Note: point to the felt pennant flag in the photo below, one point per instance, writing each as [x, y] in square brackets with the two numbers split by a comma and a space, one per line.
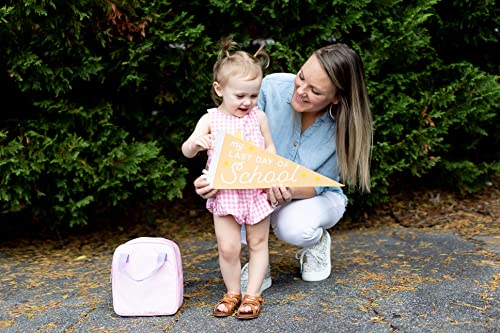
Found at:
[239, 164]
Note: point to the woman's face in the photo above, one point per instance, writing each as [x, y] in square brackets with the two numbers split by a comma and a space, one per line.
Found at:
[313, 88]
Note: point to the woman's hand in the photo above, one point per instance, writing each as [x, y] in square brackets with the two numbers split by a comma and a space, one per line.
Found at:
[203, 188]
[279, 195]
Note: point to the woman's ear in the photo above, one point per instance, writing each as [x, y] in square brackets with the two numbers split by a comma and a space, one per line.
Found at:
[218, 88]
[335, 100]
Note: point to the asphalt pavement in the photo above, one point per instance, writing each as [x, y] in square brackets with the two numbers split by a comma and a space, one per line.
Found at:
[392, 279]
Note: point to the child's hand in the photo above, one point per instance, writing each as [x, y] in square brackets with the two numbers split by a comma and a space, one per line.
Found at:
[203, 142]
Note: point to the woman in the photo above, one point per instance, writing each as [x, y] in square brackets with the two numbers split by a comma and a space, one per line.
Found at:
[319, 118]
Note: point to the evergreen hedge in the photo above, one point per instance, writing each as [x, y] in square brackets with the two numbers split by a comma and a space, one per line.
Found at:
[99, 95]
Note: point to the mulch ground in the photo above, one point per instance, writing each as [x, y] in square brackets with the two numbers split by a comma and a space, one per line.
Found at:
[187, 222]
[467, 215]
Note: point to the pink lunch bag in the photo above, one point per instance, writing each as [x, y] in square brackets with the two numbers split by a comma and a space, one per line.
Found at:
[146, 277]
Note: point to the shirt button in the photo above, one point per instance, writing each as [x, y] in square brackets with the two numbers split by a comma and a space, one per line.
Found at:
[295, 144]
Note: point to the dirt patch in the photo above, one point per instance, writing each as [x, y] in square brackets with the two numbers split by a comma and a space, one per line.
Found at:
[466, 215]
[62, 265]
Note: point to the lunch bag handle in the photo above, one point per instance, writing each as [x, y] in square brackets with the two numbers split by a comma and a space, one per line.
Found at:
[160, 260]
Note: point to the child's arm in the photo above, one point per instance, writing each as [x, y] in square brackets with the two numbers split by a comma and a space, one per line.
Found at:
[266, 132]
[200, 139]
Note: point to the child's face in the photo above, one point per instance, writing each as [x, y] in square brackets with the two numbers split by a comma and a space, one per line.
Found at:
[239, 95]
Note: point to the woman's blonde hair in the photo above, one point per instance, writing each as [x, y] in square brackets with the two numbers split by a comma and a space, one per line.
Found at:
[354, 135]
[240, 63]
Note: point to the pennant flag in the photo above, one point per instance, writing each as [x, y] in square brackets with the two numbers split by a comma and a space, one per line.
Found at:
[239, 164]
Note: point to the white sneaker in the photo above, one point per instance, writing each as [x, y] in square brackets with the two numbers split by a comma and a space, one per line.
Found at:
[315, 262]
[244, 280]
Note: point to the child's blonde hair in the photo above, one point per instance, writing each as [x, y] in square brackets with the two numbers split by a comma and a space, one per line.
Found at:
[237, 63]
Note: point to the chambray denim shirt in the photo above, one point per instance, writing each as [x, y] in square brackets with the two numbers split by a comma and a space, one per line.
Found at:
[315, 148]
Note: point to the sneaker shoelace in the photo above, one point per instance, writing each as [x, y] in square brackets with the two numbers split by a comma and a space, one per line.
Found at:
[311, 254]
[244, 277]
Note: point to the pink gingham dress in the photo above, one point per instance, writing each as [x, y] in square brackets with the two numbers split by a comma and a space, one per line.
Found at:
[248, 206]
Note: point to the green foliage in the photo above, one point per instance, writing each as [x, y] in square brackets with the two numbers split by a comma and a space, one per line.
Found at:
[105, 92]
[67, 151]
[64, 172]
[467, 30]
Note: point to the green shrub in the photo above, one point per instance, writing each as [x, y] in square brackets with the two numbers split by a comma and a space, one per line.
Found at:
[67, 150]
[105, 92]
[64, 173]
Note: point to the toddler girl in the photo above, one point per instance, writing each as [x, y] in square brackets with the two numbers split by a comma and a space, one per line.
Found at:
[237, 77]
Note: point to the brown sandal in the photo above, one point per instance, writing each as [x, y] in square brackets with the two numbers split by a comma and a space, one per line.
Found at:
[231, 301]
[255, 303]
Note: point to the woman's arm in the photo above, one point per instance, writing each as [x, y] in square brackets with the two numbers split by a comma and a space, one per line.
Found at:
[266, 132]
[281, 194]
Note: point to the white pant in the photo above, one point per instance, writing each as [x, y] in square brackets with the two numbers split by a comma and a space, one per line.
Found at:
[301, 222]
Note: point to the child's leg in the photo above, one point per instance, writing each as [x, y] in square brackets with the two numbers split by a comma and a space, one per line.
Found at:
[257, 239]
[228, 232]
